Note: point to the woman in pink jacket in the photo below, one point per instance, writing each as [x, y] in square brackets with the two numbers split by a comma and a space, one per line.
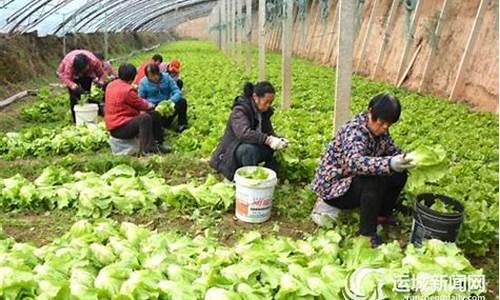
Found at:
[77, 70]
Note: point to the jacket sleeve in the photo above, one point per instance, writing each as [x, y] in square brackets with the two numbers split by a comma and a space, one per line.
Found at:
[175, 93]
[390, 148]
[64, 72]
[135, 101]
[326, 170]
[98, 70]
[142, 90]
[241, 126]
[357, 162]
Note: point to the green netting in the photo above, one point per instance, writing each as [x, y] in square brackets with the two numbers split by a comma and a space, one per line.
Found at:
[274, 12]
[409, 8]
[301, 10]
[325, 10]
[430, 30]
[358, 14]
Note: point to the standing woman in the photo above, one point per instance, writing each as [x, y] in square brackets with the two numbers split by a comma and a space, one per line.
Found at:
[362, 167]
[77, 70]
[249, 138]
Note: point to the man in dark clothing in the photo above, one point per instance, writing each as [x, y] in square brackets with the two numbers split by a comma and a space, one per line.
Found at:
[249, 138]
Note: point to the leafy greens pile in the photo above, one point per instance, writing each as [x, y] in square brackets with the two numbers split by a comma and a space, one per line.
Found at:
[471, 175]
[430, 166]
[166, 108]
[119, 189]
[107, 260]
[258, 173]
[39, 141]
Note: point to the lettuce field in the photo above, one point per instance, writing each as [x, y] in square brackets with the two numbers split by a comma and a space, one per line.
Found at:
[80, 223]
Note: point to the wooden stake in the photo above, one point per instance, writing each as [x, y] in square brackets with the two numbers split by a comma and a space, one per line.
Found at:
[387, 32]
[409, 40]
[332, 41]
[402, 79]
[468, 49]
[367, 34]
[344, 70]
[324, 33]
[437, 33]
[314, 28]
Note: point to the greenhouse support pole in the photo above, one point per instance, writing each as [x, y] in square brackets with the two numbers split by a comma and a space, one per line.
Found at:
[437, 32]
[367, 34]
[262, 40]
[224, 22]
[409, 41]
[64, 44]
[468, 49]
[286, 48]
[240, 30]
[387, 32]
[234, 27]
[106, 47]
[219, 28]
[249, 35]
[344, 65]
[231, 26]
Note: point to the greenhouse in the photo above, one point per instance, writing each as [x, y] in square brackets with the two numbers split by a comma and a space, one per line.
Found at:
[249, 149]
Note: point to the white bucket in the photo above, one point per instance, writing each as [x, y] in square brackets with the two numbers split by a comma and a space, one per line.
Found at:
[254, 198]
[86, 114]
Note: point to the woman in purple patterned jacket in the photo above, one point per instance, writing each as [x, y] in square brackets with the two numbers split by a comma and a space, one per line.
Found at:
[362, 167]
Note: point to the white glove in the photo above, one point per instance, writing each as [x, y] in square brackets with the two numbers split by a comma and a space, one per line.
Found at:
[399, 163]
[276, 143]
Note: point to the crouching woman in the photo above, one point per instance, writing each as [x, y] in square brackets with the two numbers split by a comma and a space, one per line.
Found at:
[362, 167]
[249, 138]
[128, 116]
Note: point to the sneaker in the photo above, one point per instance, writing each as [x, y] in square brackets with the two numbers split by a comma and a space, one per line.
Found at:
[181, 128]
[324, 214]
[161, 148]
[390, 220]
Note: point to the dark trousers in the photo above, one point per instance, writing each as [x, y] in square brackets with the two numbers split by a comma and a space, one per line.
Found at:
[74, 95]
[146, 125]
[374, 195]
[180, 111]
[253, 154]
[180, 84]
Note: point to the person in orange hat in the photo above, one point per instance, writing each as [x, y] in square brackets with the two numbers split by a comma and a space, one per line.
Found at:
[174, 69]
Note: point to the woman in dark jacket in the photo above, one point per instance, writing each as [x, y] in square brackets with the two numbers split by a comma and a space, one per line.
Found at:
[249, 137]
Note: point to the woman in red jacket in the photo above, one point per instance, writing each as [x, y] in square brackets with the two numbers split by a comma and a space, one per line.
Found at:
[127, 115]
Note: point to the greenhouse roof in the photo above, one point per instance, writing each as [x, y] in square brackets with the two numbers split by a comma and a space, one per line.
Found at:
[60, 17]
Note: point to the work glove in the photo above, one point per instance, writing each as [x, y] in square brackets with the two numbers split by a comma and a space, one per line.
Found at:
[276, 143]
[399, 163]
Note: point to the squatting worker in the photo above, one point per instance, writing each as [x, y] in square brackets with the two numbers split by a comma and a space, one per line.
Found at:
[249, 137]
[174, 70]
[362, 167]
[128, 116]
[77, 70]
[158, 86]
[157, 59]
